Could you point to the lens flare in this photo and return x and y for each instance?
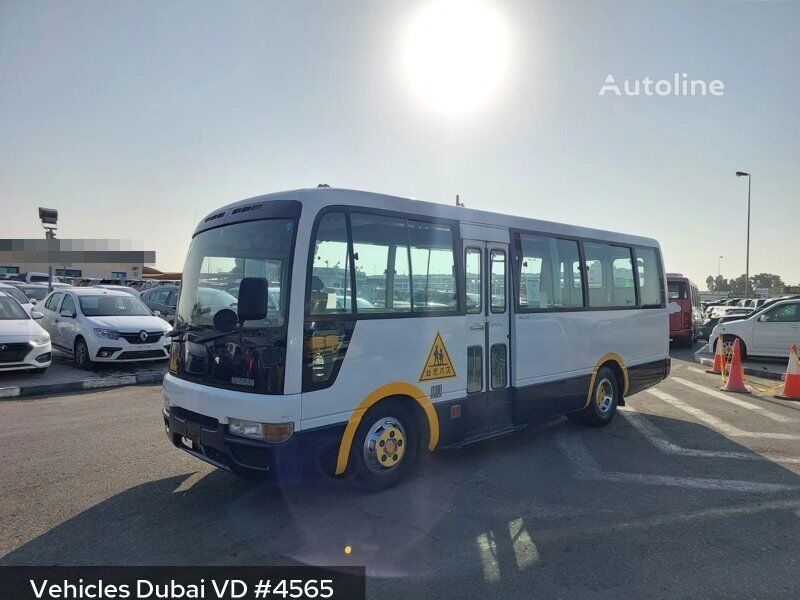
(456, 54)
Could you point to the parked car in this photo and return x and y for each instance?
(99, 325)
(732, 314)
(119, 288)
(685, 317)
(32, 277)
(164, 299)
(36, 292)
(18, 295)
(24, 345)
(770, 331)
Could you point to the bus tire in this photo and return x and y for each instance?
(604, 400)
(385, 445)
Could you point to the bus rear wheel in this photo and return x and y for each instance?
(385, 445)
(603, 402)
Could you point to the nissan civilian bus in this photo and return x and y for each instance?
(346, 331)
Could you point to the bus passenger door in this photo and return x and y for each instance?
(487, 285)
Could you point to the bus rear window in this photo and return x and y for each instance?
(677, 290)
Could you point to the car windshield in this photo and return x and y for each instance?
(37, 293)
(220, 258)
(16, 294)
(113, 306)
(10, 310)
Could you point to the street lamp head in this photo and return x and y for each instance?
(48, 216)
(742, 174)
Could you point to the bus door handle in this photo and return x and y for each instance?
(476, 326)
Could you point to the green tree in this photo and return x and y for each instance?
(767, 280)
(738, 286)
(717, 284)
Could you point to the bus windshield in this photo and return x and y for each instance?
(218, 260)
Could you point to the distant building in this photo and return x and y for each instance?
(102, 259)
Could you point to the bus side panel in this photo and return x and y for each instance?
(389, 351)
(566, 346)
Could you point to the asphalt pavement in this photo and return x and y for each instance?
(690, 492)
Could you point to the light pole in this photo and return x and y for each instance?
(747, 267)
(719, 266)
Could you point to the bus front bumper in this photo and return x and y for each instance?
(304, 455)
(207, 439)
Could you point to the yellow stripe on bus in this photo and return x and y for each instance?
(398, 388)
(613, 357)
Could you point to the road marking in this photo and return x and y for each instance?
(488, 552)
(731, 400)
(585, 467)
(717, 423)
(661, 520)
(696, 370)
(655, 436)
(525, 550)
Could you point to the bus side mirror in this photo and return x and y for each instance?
(253, 298)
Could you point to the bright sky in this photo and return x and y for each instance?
(134, 119)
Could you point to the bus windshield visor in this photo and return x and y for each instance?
(220, 258)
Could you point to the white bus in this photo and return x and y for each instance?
(346, 331)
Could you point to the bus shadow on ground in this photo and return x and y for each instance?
(512, 511)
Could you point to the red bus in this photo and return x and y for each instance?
(685, 317)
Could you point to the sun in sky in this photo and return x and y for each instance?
(455, 54)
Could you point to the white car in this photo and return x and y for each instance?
(98, 325)
(18, 295)
(23, 343)
(119, 288)
(767, 332)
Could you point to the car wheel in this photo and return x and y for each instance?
(604, 400)
(727, 345)
(385, 445)
(81, 355)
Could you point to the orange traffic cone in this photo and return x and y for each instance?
(719, 358)
(791, 388)
(736, 376)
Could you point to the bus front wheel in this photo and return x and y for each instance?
(385, 445)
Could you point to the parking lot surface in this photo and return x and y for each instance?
(690, 492)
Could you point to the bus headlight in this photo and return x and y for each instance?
(268, 432)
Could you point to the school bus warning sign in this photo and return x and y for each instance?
(438, 365)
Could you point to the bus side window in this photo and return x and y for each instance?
(432, 267)
(650, 282)
(474, 369)
(610, 270)
(543, 283)
(381, 257)
(330, 288)
(472, 262)
(497, 281)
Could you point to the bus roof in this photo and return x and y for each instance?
(317, 198)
